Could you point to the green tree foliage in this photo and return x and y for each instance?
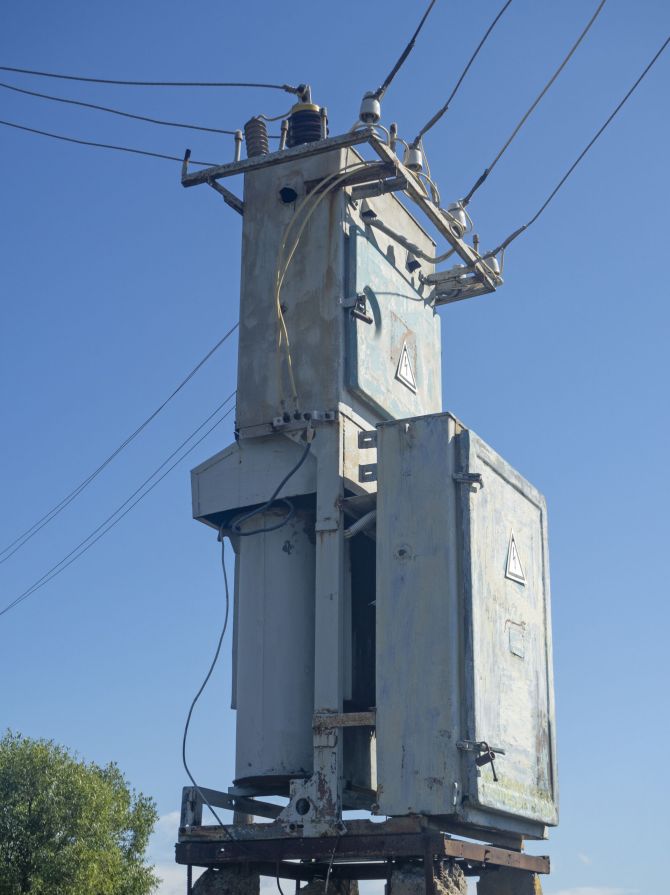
(67, 827)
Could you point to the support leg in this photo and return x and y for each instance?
(231, 879)
(412, 879)
(506, 881)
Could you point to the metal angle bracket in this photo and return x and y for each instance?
(474, 479)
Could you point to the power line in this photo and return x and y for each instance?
(171, 158)
(503, 245)
(379, 93)
(287, 88)
(546, 87)
(29, 533)
(436, 117)
(76, 102)
(99, 532)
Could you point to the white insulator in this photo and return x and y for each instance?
(413, 159)
(371, 110)
(459, 219)
(493, 264)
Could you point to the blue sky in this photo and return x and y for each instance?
(115, 281)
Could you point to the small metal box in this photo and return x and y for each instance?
(464, 662)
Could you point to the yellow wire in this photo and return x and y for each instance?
(329, 184)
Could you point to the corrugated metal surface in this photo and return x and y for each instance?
(463, 645)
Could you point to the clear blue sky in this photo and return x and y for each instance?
(115, 281)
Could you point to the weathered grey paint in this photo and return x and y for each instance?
(463, 652)
(277, 634)
(275, 654)
(402, 321)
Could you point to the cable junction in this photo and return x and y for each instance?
(380, 91)
(436, 117)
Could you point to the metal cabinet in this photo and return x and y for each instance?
(464, 661)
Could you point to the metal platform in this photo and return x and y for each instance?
(363, 851)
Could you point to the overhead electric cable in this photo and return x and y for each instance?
(206, 681)
(109, 523)
(436, 117)
(171, 158)
(76, 102)
(521, 123)
(380, 91)
(287, 88)
(503, 245)
(22, 539)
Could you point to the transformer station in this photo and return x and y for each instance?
(391, 608)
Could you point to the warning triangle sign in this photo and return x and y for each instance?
(514, 569)
(405, 373)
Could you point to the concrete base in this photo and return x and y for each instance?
(506, 881)
(410, 880)
(233, 880)
(335, 887)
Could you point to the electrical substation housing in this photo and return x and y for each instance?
(365, 347)
(438, 620)
(463, 632)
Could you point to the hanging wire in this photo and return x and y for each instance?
(206, 681)
(546, 87)
(76, 102)
(328, 185)
(503, 245)
(380, 91)
(129, 504)
(23, 538)
(236, 526)
(436, 117)
(287, 88)
(171, 158)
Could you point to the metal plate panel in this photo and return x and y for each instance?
(463, 644)
(393, 362)
(508, 637)
(418, 623)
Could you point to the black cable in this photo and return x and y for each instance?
(380, 91)
(76, 102)
(287, 88)
(206, 681)
(90, 540)
(171, 158)
(281, 891)
(503, 245)
(436, 117)
(546, 87)
(54, 511)
(291, 509)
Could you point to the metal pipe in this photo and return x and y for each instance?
(414, 249)
(361, 524)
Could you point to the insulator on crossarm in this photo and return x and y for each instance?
(256, 137)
